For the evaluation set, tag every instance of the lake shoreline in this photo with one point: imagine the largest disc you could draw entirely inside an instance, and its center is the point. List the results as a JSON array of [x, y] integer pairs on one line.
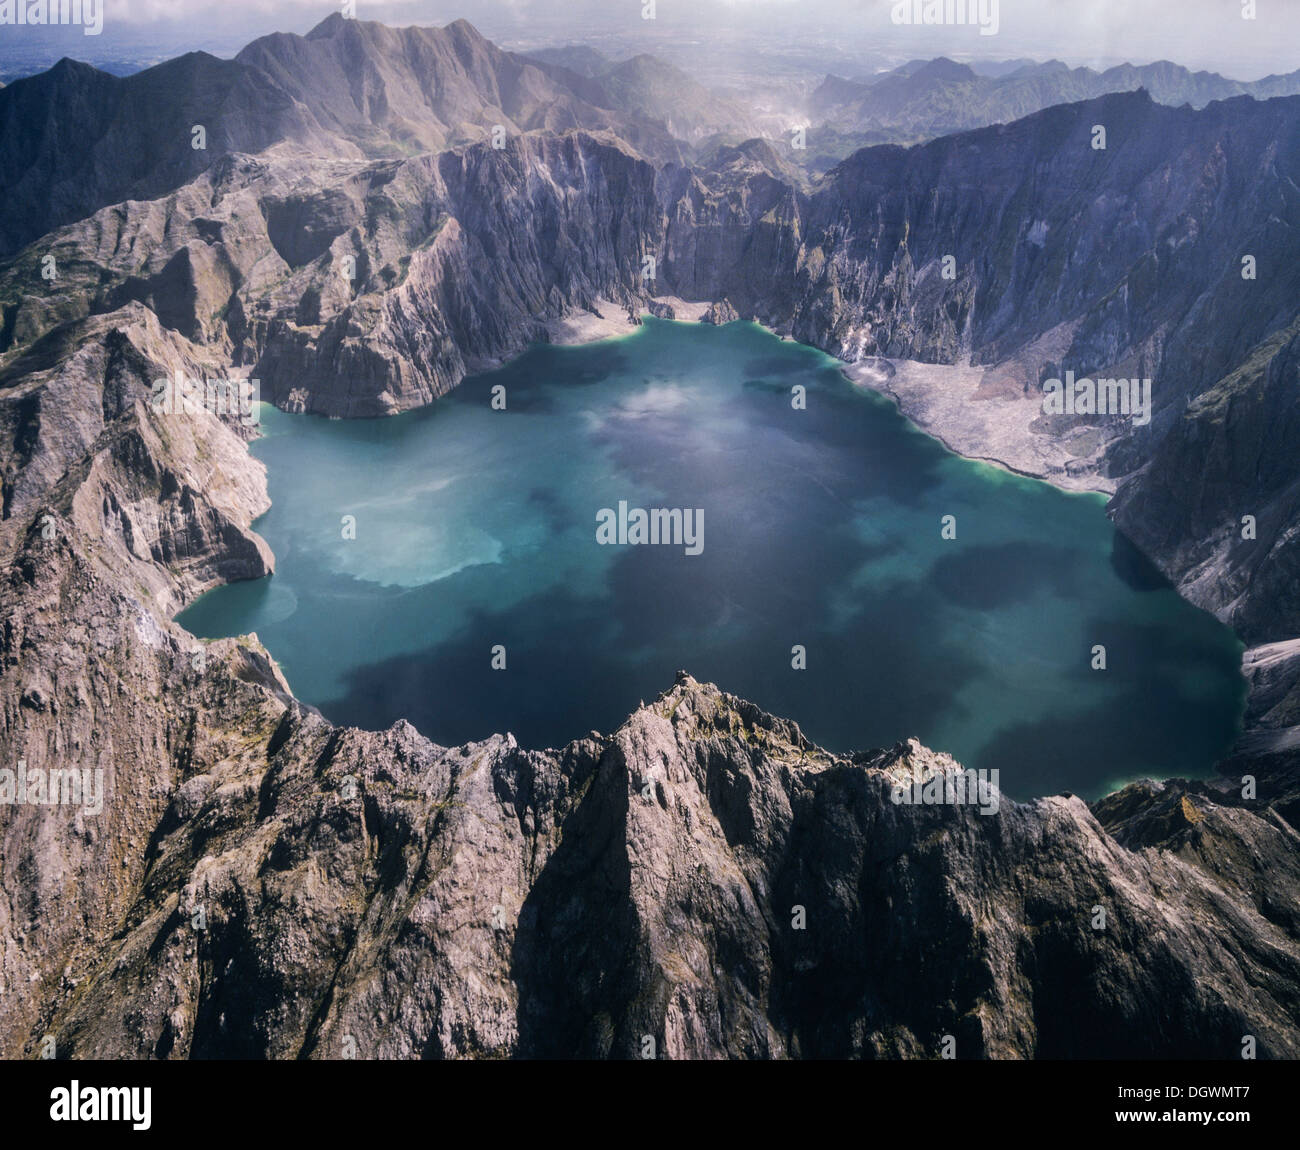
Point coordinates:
[[921, 391], [851, 487], [920, 402]]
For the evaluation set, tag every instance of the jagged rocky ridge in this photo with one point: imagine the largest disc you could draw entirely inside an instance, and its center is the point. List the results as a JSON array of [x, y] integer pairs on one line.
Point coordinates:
[[406, 900], [75, 139], [926, 98], [225, 792], [378, 896], [263, 884], [356, 287]]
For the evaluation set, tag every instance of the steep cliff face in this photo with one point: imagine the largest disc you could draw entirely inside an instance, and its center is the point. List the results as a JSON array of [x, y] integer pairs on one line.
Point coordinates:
[[1137, 246], [1219, 500], [460, 262], [363, 287], [979, 245], [360, 289], [75, 139], [261, 883], [703, 880], [114, 517]]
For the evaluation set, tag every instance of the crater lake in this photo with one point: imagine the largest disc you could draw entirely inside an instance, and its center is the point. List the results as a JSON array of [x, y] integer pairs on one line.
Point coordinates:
[[417, 554]]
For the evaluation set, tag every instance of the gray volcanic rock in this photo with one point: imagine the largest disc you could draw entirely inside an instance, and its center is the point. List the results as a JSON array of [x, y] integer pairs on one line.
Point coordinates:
[[261, 883], [1028, 251], [168, 500], [114, 517], [1218, 504], [361, 289], [703, 878], [720, 312], [1273, 704], [470, 257], [105, 138]]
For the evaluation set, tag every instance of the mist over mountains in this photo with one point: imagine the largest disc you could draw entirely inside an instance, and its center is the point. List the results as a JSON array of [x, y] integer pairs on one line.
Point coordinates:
[[940, 96], [376, 212], [352, 88]]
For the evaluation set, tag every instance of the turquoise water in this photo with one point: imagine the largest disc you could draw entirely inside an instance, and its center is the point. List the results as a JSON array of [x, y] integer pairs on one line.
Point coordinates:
[[476, 528]]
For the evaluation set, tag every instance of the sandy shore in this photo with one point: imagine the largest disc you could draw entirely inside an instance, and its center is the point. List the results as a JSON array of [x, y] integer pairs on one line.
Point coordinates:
[[587, 327], [971, 413], [953, 404]]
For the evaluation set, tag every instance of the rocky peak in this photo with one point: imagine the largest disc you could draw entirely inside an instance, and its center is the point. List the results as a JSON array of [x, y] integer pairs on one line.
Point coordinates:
[[703, 876], [943, 70], [328, 28]]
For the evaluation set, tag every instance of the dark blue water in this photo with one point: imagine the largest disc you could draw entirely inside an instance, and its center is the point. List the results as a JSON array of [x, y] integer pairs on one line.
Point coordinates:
[[477, 528]]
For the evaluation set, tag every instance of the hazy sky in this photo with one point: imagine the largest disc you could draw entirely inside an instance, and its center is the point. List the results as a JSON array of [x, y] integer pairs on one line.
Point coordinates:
[[1208, 34]]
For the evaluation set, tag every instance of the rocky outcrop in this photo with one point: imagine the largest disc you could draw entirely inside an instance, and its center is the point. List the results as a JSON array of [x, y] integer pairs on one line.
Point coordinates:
[[365, 289], [702, 882], [167, 499], [1218, 502], [114, 517], [1272, 672], [719, 312]]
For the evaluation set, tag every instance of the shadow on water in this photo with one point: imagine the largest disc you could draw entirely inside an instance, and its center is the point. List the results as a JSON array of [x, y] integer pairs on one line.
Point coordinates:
[[1134, 568], [612, 654], [1171, 695], [820, 529], [988, 577], [530, 379]]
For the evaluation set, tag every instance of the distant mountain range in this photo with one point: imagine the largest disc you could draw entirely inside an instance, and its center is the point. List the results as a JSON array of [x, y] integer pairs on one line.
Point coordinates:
[[358, 235], [924, 98], [75, 138]]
